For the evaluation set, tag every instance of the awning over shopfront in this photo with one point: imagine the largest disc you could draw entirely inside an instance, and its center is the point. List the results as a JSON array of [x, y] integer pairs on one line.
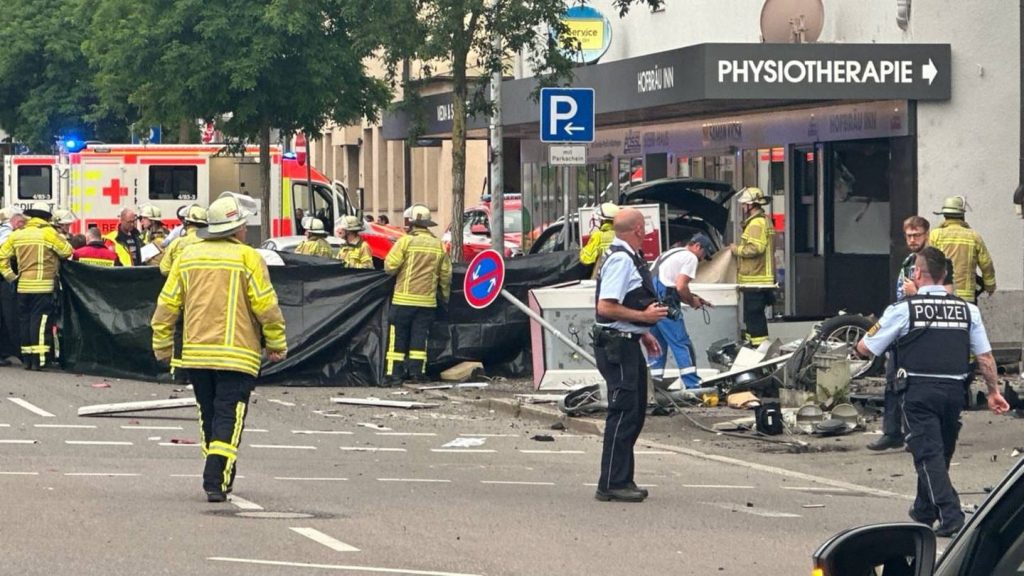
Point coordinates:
[[712, 79]]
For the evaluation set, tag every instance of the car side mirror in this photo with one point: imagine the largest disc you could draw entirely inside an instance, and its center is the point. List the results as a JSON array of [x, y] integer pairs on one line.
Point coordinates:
[[902, 549], [479, 229]]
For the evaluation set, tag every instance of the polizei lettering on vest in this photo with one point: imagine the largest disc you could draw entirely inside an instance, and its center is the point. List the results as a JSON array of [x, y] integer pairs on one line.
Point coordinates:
[[816, 71], [655, 79], [940, 312]]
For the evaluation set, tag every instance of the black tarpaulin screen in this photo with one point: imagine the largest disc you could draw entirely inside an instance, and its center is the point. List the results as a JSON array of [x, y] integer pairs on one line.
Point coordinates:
[[336, 321]]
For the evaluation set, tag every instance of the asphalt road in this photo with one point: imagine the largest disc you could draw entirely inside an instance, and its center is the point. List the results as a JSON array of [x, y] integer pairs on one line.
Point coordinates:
[[448, 491]]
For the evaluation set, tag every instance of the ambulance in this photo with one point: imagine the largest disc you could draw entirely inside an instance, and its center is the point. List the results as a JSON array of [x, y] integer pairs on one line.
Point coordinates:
[[101, 179]]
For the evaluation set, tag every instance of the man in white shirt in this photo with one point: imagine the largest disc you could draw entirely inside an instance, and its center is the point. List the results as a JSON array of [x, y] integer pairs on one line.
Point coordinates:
[[673, 272]]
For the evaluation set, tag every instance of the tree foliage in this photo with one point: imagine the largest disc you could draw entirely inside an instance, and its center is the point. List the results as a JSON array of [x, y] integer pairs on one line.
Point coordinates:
[[456, 31], [45, 79]]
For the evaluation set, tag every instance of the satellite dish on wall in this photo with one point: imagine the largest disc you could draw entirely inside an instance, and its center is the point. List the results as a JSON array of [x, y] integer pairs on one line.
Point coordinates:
[[792, 21]]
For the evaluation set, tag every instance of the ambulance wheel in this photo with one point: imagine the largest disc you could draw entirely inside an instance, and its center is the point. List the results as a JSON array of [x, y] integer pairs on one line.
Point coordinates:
[[846, 330]]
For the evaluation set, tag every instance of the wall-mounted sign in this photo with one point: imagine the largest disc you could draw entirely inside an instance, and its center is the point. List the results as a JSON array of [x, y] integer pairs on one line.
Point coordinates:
[[591, 29]]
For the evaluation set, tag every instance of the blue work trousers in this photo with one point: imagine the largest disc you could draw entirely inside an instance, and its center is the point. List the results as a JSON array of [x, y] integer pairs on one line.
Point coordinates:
[[672, 335]]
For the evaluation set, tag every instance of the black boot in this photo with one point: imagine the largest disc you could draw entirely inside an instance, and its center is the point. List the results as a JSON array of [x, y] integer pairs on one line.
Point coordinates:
[[885, 443]]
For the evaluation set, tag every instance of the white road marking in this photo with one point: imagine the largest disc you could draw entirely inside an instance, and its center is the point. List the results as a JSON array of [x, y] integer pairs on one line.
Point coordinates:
[[814, 489], [130, 427], [492, 435], [97, 443], [326, 432], [405, 433], [426, 480], [19, 473], [465, 442], [282, 446], [516, 483], [295, 479], [243, 504], [781, 471], [281, 402], [337, 567], [373, 426], [651, 452], [186, 475], [370, 449], [17, 441], [718, 486], [753, 511], [257, 430], [192, 445], [321, 538], [552, 451], [83, 426], [594, 485], [5, 425], [31, 407], [465, 450], [105, 474]]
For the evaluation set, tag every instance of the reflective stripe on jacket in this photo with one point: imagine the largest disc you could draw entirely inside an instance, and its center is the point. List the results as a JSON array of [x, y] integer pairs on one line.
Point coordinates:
[[318, 247], [96, 254], [173, 251], [224, 288], [422, 267], [123, 254], [755, 253], [356, 255], [965, 248], [37, 248]]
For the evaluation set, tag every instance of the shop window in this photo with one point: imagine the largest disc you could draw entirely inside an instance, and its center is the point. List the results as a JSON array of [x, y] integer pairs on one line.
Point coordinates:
[[35, 182], [173, 182]]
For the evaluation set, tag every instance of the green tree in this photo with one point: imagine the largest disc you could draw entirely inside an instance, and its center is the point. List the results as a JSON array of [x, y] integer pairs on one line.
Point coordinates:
[[451, 31], [286, 64], [46, 87]]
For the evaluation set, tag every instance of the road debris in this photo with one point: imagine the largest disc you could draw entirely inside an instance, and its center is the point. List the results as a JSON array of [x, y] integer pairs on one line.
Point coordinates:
[[408, 405], [141, 406], [542, 438]]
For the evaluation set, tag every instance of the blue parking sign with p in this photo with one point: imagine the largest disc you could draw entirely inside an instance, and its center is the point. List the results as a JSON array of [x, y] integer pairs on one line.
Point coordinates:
[[567, 114]]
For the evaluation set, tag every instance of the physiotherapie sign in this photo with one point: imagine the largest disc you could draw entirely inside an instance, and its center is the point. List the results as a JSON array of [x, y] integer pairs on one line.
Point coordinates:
[[828, 71]]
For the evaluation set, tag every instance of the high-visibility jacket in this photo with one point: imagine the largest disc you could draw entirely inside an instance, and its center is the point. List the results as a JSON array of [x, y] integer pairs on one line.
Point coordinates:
[[965, 248], [96, 254], [315, 247], [38, 249], [156, 237], [422, 268], [124, 256], [599, 242], [754, 253], [356, 255], [224, 289], [174, 249]]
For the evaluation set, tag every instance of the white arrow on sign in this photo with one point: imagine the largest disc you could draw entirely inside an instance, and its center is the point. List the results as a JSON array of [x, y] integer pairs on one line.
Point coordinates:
[[929, 71], [570, 128]]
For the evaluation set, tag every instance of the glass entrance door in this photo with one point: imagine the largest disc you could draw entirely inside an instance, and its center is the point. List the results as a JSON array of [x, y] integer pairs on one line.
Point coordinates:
[[807, 281]]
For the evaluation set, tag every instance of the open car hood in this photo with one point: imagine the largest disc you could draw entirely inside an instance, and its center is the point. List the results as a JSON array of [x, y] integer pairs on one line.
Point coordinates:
[[705, 199]]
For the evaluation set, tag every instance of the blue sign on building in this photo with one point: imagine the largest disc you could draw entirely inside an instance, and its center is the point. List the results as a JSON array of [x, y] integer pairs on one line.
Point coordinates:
[[567, 115]]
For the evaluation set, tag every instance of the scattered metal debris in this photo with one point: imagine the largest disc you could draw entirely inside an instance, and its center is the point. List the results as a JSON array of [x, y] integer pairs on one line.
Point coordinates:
[[408, 405]]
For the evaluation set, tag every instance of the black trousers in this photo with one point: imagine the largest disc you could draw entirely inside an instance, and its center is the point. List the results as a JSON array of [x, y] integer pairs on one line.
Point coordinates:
[[223, 398], [931, 416], [627, 409], [755, 324], [35, 311], [407, 348], [10, 328], [892, 415]]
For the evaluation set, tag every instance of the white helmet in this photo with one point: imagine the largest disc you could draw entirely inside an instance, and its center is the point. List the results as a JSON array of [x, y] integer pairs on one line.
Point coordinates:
[[225, 216], [752, 195], [607, 211]]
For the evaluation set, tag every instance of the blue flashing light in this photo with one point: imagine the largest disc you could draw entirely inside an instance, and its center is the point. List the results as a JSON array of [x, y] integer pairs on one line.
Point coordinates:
[[72, 145], [289, 155]]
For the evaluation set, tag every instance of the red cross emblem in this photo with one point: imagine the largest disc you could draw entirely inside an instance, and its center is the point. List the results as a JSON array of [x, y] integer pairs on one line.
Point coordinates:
[[115, 191]]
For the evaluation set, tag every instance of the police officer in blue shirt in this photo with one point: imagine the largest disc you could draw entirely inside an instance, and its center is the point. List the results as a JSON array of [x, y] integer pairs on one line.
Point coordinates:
[[932, 336], [627, 306], [915, 230]]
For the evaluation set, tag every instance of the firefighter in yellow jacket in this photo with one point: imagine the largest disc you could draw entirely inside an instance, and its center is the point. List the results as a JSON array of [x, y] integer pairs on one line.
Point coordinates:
[[315, 243], [37, 249], [965, 249], [422, 271], [601, 238], [223, 288], [755, 264], [194, 220], [354, 252]]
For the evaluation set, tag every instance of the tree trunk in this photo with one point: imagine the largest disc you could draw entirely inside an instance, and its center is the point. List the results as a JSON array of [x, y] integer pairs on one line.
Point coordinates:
[[184, 131], [461, 91], [264, 196]]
